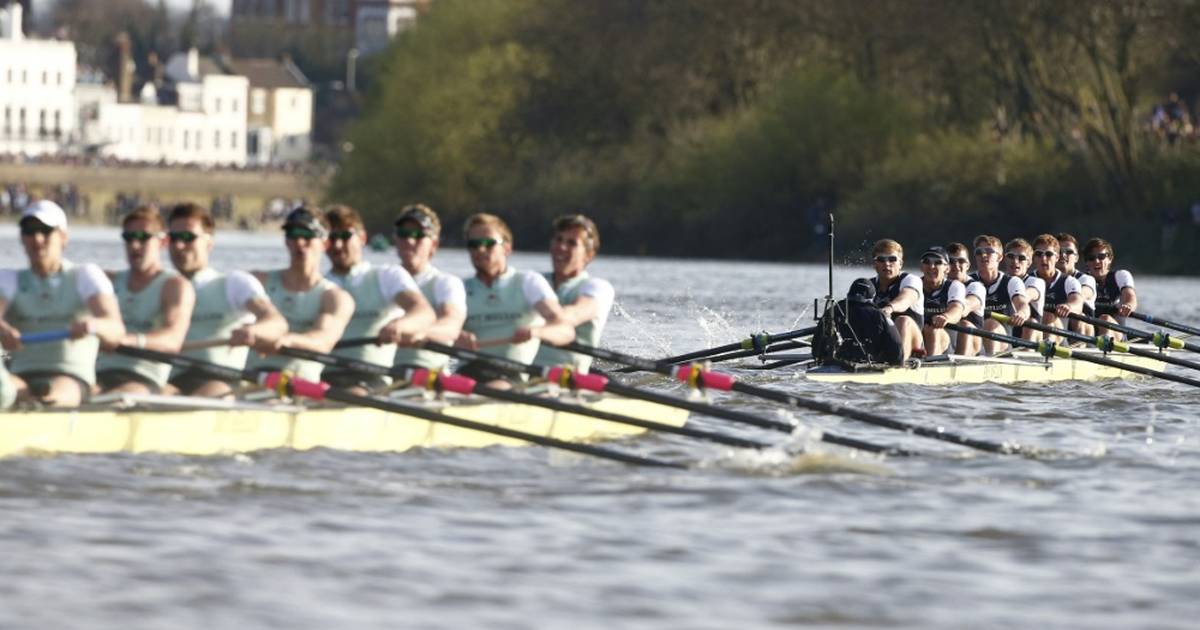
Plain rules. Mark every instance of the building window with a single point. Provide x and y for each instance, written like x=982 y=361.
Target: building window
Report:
x=186 y=139
x=217 y=140
x=24 y=77
x=258 y=102
x=234 y=105
x=217 y=104
x=8 y=76
x=58 y=77
x=199 y=139
x=45 y=78
x=233 y=139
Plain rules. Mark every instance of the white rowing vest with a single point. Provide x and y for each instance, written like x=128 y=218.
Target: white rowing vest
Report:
x=428 y=282
x=586 y=334
x=51 y=304
x=300 y=309
x=497 y=312
x=372 y=311
x=215 y=318
x=142 y=313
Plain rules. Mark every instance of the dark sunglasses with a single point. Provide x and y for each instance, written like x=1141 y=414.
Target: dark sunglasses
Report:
x=960 y=261
x=342 y=235
x=1044 y=253
x=296 y=233
x=932 y=261
x=1068 y=252
x=886 y=259
x=483 y=243
x=130 y=236
x=1017 y=257
x=183 y=236
x=416 y=234
x=1100 y=256
x=29 y=229
x=985 y=251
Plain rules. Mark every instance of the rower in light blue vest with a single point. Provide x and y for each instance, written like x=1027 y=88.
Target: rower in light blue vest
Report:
x=388 y=306
x=418 y=234
x=509 y=312
x=586 y=301
x=55 y=296
x=232 y=311
x=316 y=310
x=156 y=306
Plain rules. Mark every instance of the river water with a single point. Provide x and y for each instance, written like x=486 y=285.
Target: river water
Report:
x=1105 y=535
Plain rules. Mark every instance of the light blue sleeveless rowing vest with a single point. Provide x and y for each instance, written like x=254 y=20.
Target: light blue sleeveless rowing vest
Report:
x=371 y=312
x=141 y=312
x=497 y=311
x=586 y=334
x=8 y=391
x=300 y=309
x=47 y=304
x=214 y=318
x=427 y=281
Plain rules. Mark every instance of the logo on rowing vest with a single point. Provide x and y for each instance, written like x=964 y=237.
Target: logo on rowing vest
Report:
x=492 y=298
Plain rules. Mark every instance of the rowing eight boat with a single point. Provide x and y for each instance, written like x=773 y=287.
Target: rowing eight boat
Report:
x=205 y=427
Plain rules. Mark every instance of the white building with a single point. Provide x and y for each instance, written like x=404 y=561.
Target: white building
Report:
x=378 y=21
x=280 y=111
x=37 y=81
x=206 y=125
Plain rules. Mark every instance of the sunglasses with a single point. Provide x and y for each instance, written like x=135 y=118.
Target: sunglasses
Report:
x=1044 y=253
x=183 y=236
x=985 y=251
x=483 y=243
x=416 y=234
x=297 y=233
x=1017 y=257
x=140 y=236
x=932 y=261
x=1096 y=257
x=29 y=229
x=342 y=235
x=960 y=261
x=886 y=259
x=1068 y=252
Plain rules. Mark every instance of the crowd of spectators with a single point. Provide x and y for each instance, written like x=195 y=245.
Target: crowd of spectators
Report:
x=15 y=196
x=306 y=169
x=1171 y=120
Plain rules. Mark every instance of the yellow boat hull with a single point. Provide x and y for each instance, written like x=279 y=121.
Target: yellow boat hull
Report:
x=211 y=432
x=1024 y=367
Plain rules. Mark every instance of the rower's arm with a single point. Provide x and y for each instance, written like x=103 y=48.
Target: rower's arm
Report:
x=1021 y=305
x=105 y=321
x=9 y=336
x=268 y=324
x=418 y=316
x=557 y=330
x=337 y=307
x=1129 y=301
x=448 y=325
x=904 y=300
x=954 y=312
x=176 y=303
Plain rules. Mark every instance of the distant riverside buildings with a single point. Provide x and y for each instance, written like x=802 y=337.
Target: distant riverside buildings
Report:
x=324 y=28
x=197 y=110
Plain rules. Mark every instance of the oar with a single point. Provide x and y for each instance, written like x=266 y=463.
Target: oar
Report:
x=1158 y=338
x=45 y=337
x=600 y=384
x=697 y=375
x=423 y=378
x=1166 y=323
x=322 y=391
x=741 y=354
x=1103 y=343
x=366 y=341
x=755 y=342
x=202 y=344
x=1048 y=350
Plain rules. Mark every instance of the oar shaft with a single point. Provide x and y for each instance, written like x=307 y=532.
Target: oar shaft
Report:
x=1158 y=321
x=1103 y=342
x=745 y=345
x=205 y=343
x=1135 y=333
x=741 y=354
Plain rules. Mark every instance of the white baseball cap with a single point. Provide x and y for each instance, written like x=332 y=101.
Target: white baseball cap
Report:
x=48 y=212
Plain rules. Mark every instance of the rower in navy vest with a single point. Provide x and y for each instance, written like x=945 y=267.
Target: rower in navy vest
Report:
x=156 y=306
x=418 y=235
x=899 y=295
x=316 y=310
x=1063 y=293
x=1068 y=258
x=232 y=310
x=1115 y=294
x=945 y=300
x=388 y=304
x=53 y=295
x=976 y=297
x=586 y=300
x=1018 y=256
x=1004 y=293
x=509 y=312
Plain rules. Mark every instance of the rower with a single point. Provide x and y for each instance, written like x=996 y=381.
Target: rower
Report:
x=945 y=300
x=509 y=312
x=586 y=300
x=418 y=235
x=1018 y=255
x=1003 y=293
x=55 y=294
x=8 y=388
x=317 y=310
x=388 y=304
x=976 y=296
x=1063 y=295
x=899 y=295
x=1068 y=257
x=1115 y=294
x=232 y=310
x=156 y=306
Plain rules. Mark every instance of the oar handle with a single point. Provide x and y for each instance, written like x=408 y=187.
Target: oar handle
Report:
x=356 y=342
x=203 y=344
x=492 y=343
x=45 y=337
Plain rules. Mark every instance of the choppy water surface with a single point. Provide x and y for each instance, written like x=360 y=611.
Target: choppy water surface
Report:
x=1105 y=535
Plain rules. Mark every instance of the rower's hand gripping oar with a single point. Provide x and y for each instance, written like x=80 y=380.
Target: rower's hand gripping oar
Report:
x=323 y=391
x=1159 y=338
x=593 y=382
x=697 y=375
x=755 y=344
x=1103 y=343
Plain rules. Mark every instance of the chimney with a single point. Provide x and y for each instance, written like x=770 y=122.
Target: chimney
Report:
x=10 y=25
x=193 y=63
x=156 y=68
x=125 y=68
